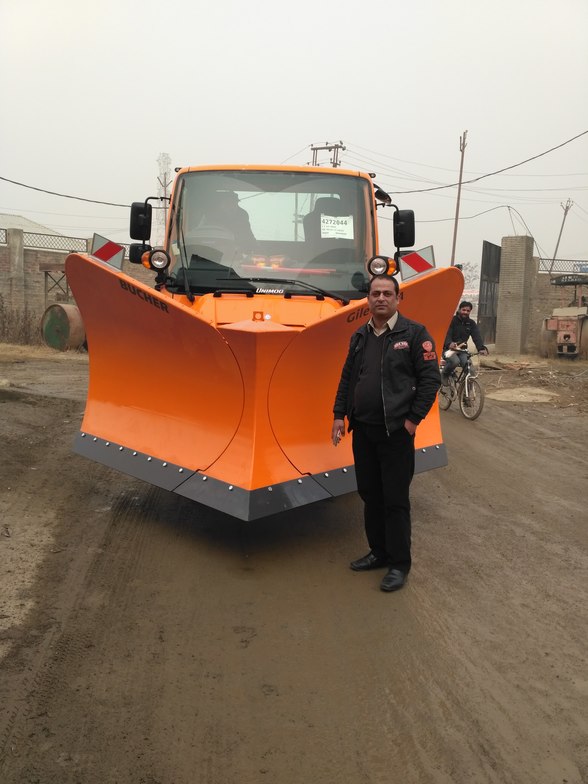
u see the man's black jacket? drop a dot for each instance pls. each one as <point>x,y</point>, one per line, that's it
<point>460,330</point>
<point>410,374</point>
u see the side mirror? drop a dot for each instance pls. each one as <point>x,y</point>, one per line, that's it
<point>136,251</point>
<point>403,222</point>
<point>140,228</point>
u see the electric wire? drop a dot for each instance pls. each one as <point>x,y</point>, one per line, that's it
<point>508,207</point>
<point>289,158</point>
<point>498,171</point>
<point>410,176</point>
<point>64,195</point>
<point>17,211</point>
<point>443,168</point>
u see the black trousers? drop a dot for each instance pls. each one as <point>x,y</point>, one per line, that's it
<point>384,467</point>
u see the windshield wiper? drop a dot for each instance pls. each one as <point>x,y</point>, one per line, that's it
<point>315,289</point>
<point>182,248</point>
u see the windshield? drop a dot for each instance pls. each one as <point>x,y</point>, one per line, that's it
<point>229,227</point>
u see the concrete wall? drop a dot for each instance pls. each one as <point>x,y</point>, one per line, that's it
<point>516,270</point>
<point>525,298</point>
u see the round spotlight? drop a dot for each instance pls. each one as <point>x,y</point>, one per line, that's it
<point>378,265</point>
<point>159,259</point>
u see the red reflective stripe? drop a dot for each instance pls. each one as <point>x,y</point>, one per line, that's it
<point>107,251</point>
<point>416,262</point>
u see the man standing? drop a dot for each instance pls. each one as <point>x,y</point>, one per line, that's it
<point>461,328</point>
<point>388,384</point>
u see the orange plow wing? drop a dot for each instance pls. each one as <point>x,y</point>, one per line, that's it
<point>234,415</point>
<point>310,368</point>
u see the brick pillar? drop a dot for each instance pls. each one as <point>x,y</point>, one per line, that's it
<point>514,289</point>
<point>15,242</point>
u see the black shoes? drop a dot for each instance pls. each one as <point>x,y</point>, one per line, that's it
<point>393,581</point>
<point>369,561</point>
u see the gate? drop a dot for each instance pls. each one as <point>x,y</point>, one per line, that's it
<point>488,299</point>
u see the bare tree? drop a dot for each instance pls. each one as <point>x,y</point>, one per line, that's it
<point>471,274</point>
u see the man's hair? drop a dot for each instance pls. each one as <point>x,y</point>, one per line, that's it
<point>465,304</point>
<point>384,277</point>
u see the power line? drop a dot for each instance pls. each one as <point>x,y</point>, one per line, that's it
<point>368,163</point>
<point>444,168</point>
<point>289,158</point>
<point>65,195</point>
<point>508,207</point>
<point>490,174</point>
<point>580,208</point>
<point>421,190</point>
<point>499,171</point>
<point>464,217</point>
<point>18,210</point>
<point>534,190</point>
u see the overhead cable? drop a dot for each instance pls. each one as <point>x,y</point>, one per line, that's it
<point>64,195</point>
<point>420,190</point>
<point>498,171</point>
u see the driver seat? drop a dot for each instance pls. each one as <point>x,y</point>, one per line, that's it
<point>326,205</point>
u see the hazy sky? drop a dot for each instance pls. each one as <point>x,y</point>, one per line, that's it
<point>92,94</point>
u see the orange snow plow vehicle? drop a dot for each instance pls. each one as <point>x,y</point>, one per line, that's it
<point>218,382</point>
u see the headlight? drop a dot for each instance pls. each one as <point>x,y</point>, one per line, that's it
<point>381,265</point>
<point>378,265</point>
<point>159,259</point>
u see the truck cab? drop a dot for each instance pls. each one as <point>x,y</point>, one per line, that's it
<point>261,230</point>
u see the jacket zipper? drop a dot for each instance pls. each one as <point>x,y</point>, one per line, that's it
<point>382,384</point>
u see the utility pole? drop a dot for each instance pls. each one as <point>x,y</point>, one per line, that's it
<point>566,208</point>
<point>462,146</point>
<point>164,181</point>
<point>334,148</point>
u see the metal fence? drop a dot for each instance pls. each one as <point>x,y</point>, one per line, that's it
<point>56,242</point>
<point>562,266</point>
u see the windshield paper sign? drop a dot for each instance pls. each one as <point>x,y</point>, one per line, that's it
<point>339,227</point>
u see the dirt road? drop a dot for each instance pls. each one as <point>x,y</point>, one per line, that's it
<point>148,640</point>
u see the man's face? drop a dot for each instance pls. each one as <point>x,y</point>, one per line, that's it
<point>382,299</point>
<point>464,312</point>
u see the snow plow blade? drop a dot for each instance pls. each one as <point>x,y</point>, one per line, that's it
<point>212,402</point>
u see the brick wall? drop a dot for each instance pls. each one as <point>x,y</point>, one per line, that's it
<point>543,297</point>
<point>24,276</point>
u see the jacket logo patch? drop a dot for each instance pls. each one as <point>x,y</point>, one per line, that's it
<point>427,345</point>
<point>401,344</point>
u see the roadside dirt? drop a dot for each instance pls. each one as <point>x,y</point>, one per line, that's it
<point>148,640</point>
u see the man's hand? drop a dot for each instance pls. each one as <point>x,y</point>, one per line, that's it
<point>338,431</point>
<point>410,426</point>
